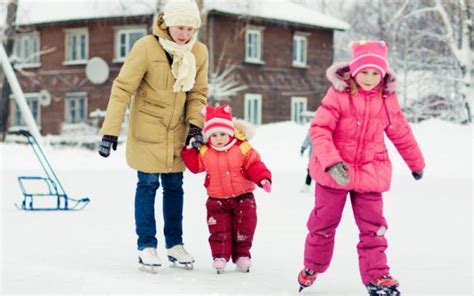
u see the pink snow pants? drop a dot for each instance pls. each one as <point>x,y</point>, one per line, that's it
<point>325,218</point>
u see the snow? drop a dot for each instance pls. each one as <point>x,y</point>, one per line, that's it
<point>93,251</point>
<point>282,10</point>
<point>45,11</point>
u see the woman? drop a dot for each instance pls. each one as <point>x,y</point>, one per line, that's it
<point>165,78</point>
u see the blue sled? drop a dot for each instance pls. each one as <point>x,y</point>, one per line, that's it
<point>55,189</point>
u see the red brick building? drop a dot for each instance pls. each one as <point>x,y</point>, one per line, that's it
<point>279,59</point>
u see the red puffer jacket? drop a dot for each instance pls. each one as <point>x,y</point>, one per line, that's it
<point>351,128</point>
<point>229,173</point>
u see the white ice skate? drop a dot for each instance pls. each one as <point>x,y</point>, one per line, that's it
<point>243,264</point>
<point>178,254</point>
<point>219,264</point>
<point>149,260</point>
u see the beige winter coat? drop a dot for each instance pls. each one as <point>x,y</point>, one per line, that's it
<point>159,118</point>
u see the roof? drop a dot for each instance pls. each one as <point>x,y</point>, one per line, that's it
<point>51,11</point>
<point>279,10</point>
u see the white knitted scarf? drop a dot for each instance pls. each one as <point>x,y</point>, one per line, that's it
<point>184,63</point>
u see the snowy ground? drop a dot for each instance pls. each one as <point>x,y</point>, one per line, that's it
<point>93,251</point>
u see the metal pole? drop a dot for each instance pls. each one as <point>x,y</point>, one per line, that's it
<point>19,96</point>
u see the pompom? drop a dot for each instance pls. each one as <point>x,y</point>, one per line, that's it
<point>227,109</point>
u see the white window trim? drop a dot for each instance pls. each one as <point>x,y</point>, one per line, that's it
<point>295,100</point>
<point>28,96</point>
<point>250,97</point>
<point>259,32</point>
<point>297,63</point>
<point>66,105</point>
<point>36,35</point>
<point>67,33</point>
<point>121,29</point>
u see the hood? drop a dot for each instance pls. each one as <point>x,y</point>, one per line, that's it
<point>243,130</point>
<point>159,27</point>
<point>339,75</point>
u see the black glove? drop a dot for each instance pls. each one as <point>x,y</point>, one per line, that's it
<point>107,143</point>
<point>196,134</point>
<point>302,151</point>
<point>338,173</point>
<point>417,175</point>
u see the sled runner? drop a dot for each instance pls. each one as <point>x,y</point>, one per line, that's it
<point>50,180</point>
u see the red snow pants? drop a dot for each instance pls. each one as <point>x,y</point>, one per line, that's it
<point>324,219</point>
<point>232,224</point>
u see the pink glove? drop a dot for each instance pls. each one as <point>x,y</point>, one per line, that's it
<point>267,186</point>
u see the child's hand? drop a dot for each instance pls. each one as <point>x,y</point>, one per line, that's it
<point>267,186</point>
<point>338,173</point>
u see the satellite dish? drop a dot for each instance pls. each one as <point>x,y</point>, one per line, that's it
<point>44,98</point>
<point>97,70</point>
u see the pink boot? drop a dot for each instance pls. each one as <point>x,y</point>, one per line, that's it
<point>244,264</point>
<point>219,264</point>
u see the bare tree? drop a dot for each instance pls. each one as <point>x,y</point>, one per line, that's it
<point>452,28</point>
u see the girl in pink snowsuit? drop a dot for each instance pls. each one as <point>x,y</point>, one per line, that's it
<point>350,157</point>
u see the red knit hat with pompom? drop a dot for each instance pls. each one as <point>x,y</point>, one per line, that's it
<point>218,119</point>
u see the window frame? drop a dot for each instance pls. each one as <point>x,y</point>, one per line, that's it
<point>77,33</point>
<point>299,59</point>
<point>248,98</point>
<point>17,119</point>
<point>117,45</point>
<point>258,59</point>
<point>34,52</point>
<point>76,96</point>
<point>294,101</point>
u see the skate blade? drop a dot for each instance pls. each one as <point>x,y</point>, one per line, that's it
<point>177,264</point>
<point>244,270</point>
<point>153,269</point>
<point>220,271</point>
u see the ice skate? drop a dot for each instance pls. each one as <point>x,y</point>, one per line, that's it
<point>384,286</point>
<point>306,278</point>
<point>219,264</point>
<point>149,260</point>
<point>180,257</point>
<point>243,264</point>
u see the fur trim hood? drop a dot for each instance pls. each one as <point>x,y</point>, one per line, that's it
<point>244,131</point>
<point>339,75</point>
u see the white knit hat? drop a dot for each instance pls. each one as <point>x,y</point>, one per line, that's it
<point>182,13</point>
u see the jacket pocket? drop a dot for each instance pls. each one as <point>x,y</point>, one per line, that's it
<point>148,128</point>
<point>381,156</point>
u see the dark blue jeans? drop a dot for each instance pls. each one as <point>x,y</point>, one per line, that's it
<point>172,209</point>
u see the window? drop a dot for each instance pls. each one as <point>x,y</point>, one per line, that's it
<point>298,106</point>
<point>300,45</point>
<point>253,108</point>
<point>33,101</point>
<point>253,46</point>
<point>26,48</point>
<point>77,46</point>
<point>125,37</point>
<point>76,107</point>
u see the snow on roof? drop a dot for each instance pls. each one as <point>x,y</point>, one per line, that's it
<point>282,10</point>
<point>47,11</point>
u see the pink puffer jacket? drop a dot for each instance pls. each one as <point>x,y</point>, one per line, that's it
<point>351,128</point>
